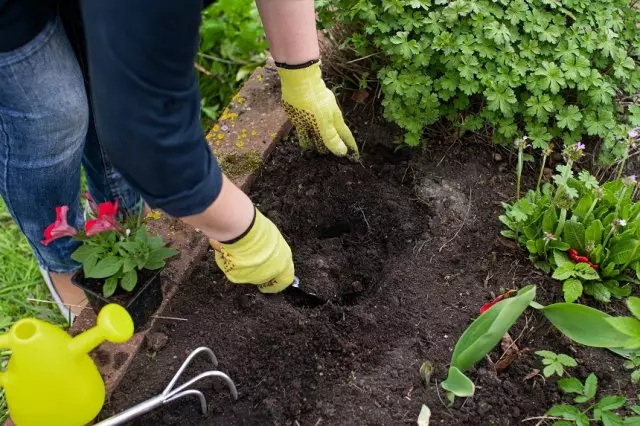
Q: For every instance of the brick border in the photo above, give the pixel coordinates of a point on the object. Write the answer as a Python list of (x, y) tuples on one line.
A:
[(249, 129)]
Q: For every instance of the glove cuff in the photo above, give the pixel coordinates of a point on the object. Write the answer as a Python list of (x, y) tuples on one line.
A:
[(297, 66), (244, 234)]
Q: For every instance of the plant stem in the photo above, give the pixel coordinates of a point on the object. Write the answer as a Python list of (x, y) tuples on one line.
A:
[(613, 230), (561, 220), (621, 166), (519, 170), (544, 163)]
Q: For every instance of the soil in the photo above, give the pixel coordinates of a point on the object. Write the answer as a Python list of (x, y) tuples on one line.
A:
[(406, 247)]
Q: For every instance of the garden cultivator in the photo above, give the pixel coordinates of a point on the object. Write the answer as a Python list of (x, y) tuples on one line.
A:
[(172, 393)]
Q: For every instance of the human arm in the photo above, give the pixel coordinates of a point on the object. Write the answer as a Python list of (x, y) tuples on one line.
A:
[(147, 111), (290, 26)]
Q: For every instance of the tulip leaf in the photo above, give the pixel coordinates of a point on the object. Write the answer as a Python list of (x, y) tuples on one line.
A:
[(585, 325), (489, 328), (458, 384), (626, 325)]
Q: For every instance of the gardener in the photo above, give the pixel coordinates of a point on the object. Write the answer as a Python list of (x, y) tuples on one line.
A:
[(134, 63)]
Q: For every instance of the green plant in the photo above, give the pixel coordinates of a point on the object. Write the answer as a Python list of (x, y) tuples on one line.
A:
[(545, 67), (586, 233), (112, 250), (629, 326), (583, 324), (555, 363), (634, 364), (232, 45), (603, 412)]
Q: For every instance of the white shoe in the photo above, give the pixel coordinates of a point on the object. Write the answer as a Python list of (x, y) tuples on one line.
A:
[(64, 309)]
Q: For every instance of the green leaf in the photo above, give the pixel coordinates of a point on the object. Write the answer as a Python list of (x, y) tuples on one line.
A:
[(594, 232), (611, 419), (635, 409), (562, 274), (633, 304), (566, 360), (621, 253), (569, 117), (83, 252), (586, 272), (106, 267), (110, 286), (635, 378), (562, 261), (590, 389), (572, 290), (550, 370), (550, 220), (570, 385), (128, 264), (569, 412), (609, 403), (598, 291), (546, 354), (129, 280), (617, 291), (458, 384), (489, 328), (631, 421), (573, 234), (626, 325), (584, 325)]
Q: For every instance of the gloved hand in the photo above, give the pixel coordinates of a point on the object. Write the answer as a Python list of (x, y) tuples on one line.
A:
[(261, 256), (314, 111)]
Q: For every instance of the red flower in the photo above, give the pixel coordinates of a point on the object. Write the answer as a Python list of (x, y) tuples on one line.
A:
[(490, 304), (106, 221), (60, 228)]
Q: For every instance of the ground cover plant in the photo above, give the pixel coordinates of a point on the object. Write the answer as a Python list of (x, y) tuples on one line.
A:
[(585, 232), (551, 69)]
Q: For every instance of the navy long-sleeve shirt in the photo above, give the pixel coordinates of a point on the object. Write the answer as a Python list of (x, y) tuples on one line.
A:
[(144, 94)]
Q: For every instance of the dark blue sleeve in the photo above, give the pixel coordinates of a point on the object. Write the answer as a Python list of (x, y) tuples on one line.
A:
[(141, 57)]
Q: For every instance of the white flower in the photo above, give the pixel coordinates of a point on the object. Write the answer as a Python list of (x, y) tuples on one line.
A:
[(128, 232), (620, 223)]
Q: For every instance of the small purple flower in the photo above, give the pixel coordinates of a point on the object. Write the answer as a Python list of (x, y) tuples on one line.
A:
[(634, 133), (629, 180), (579, 146), (619, 223)]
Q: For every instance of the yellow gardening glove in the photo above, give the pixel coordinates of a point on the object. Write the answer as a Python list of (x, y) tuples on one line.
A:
[(314, 111), (261, 257)]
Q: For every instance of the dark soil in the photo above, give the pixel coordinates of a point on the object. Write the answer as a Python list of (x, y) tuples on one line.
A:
[(406, 246)]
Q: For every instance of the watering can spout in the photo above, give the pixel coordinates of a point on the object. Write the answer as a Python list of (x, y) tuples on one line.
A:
[(114, 324)]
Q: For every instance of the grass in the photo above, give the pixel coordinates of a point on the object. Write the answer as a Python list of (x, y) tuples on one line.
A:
[(20, 280)]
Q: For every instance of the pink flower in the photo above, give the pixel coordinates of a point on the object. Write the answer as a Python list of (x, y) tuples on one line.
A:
[(60, 228), (106, 220)]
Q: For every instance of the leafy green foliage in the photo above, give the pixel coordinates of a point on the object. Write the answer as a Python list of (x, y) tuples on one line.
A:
[(546, 67), (117, 257), (232, 45), (586, 234), (629, 326), (604, 412), (555, 363), (634, 365)]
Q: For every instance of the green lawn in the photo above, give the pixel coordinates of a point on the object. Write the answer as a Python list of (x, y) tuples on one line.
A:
[(19, 280)]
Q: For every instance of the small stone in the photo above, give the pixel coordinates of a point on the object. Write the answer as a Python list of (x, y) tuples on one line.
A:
[(484, 407), (356, 286), (497, 156), (157, 341), (502, 168), (395, 300)]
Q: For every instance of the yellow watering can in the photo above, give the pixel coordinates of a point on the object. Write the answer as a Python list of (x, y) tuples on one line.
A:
[(50, 378)]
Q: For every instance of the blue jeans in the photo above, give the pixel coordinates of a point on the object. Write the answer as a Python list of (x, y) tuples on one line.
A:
[(46, 135)]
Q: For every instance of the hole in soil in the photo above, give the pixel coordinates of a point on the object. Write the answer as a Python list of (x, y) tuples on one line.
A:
[(350, 291), (336, 229)]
